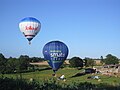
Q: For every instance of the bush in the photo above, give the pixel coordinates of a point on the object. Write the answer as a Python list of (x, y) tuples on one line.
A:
[(50, 84), (76, 62)]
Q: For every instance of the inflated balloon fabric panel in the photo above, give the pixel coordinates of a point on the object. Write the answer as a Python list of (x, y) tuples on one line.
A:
[(29, 27), (55, 52)]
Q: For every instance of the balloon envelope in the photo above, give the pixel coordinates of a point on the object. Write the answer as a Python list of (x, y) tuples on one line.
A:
[(55, 52), (29, 26)]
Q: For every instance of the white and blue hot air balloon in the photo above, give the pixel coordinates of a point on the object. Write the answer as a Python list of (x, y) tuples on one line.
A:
[(29, 26)]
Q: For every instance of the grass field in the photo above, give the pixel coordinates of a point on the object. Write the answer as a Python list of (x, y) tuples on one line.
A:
[(70, 75)]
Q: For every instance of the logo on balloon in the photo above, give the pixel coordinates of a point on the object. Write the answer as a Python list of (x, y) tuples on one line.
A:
[(55, 55), (31, 28)]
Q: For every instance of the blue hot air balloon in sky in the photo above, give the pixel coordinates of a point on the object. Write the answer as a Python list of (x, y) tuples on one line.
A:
[(55, 52)]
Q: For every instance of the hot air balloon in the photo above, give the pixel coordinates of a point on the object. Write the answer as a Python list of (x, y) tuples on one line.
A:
[(55, 52), (29, 26)]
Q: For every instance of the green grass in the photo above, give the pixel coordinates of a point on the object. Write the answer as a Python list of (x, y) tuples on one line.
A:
[(68, 72)]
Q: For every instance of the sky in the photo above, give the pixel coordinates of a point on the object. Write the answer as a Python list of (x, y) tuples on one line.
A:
[(90, 28)]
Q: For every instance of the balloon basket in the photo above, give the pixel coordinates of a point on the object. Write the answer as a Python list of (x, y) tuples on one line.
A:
[(54, 75), (29, 43)]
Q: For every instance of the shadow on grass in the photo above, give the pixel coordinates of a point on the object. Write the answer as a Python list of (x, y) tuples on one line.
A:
[(78, 74), (42, 69), (27, 71)]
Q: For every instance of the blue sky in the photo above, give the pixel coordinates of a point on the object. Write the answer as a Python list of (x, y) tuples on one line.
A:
[(90, 28)]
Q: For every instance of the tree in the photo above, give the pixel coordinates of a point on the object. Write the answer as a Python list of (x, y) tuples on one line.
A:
[(110, 59), (11, 65), (36, 59), (22, 62), (102, 60), (76, 62), (89, 62), (3, 61)]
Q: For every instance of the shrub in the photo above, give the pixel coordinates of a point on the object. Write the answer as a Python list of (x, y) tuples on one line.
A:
[(50, 84)]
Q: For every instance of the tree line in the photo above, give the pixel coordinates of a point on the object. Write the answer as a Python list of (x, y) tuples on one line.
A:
[(13, 65), (89, 62), (17, 65)]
